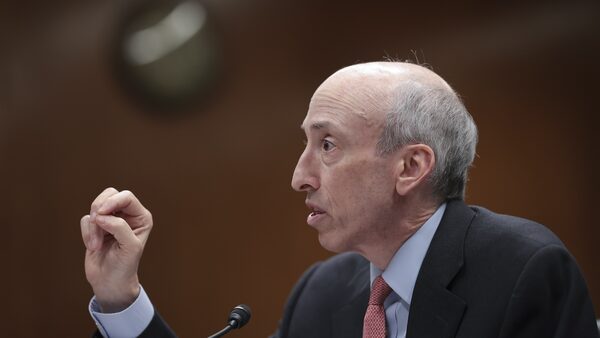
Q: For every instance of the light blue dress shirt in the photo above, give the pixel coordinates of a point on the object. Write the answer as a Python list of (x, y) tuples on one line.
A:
[(401, 274), (128, 323)]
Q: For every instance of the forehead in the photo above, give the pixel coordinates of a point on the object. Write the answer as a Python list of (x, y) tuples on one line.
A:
[(345, 105)]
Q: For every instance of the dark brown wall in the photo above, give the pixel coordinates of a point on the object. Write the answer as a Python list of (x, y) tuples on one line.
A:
[(228, 227)]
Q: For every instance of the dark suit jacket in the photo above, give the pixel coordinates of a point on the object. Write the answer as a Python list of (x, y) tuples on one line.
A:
[(484, 275)]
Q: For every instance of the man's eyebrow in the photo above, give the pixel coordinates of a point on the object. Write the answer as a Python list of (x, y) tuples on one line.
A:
[(317, 125)]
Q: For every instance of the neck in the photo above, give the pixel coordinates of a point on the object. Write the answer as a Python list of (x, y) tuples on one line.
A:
[(384, 247)]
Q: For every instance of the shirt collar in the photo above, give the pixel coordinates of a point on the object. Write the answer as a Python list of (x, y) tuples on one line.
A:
[(401, 273)]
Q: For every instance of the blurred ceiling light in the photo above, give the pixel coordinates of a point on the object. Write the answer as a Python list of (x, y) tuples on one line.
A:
[(168, 54), (151, 44)]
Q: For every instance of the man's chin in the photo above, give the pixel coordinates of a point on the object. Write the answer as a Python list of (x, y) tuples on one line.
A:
[(331, 242)]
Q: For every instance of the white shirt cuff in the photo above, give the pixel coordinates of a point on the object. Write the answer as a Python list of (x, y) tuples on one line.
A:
[(128, 323)]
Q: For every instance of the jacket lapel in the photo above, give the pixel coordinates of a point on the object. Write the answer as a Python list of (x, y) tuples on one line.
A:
[(435, 311)]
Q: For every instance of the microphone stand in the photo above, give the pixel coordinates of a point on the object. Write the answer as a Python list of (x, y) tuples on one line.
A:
[(239, 316), (222, 332)]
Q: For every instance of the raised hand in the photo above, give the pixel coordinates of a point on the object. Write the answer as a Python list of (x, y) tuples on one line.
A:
[(115, 233)]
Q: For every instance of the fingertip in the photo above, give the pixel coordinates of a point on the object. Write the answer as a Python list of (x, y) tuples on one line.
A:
[(100, 199), (100, 219), (102, 222), (104, 208)]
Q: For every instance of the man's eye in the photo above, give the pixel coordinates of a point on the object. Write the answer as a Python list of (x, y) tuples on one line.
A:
[(328, 145)]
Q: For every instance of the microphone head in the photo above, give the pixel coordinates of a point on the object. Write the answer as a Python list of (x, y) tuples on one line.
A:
[(239, 316)]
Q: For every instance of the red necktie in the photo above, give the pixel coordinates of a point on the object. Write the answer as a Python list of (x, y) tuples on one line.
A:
[(374, 323)]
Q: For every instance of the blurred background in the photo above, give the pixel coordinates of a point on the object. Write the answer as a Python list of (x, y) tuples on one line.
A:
[(195, 106)]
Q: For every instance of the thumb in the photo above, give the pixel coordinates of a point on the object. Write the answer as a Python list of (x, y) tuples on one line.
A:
[(119, 228)]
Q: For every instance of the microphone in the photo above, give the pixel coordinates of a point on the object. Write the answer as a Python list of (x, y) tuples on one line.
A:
[(239, 316)]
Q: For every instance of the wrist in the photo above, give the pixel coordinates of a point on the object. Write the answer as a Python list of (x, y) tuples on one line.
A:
[(112, 301)]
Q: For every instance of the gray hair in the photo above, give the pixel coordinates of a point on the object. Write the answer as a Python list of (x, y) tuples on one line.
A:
[(434, 116)]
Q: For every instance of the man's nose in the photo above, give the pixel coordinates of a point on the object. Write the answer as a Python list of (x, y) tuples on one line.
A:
[(304, 177)]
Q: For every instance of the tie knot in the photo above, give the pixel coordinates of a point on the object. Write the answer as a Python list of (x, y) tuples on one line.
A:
[(379, 292)]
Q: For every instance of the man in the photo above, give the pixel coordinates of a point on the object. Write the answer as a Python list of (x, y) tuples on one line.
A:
[(384, 171)]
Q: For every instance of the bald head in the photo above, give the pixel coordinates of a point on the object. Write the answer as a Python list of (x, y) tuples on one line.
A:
[(409, 104), (392, 72), (369, 89)]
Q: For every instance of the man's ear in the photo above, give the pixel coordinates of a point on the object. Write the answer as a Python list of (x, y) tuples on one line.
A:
[(415, 163)]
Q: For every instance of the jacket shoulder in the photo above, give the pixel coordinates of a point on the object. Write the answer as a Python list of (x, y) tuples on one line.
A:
[(509, 231)]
